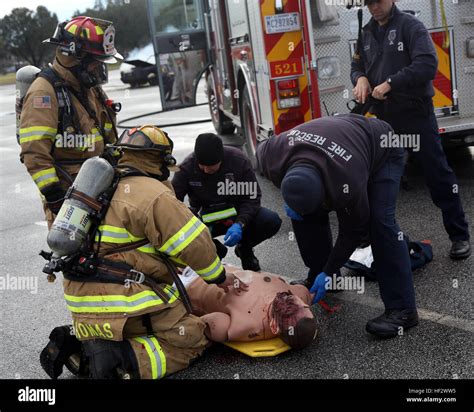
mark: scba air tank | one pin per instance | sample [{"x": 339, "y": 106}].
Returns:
[
  {"x": 73, "y": 222},
  {"x": 24, "y": 77}
]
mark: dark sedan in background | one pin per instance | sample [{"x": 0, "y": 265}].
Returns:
[{"x": 139, "y": 73}]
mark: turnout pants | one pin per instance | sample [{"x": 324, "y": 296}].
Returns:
[
  {"x": 177, "y": 338},
  {"x": 49, "y": 216},
  {"x": 153, "y": 346}
]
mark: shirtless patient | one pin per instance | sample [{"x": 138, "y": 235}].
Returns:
[{"x": 270, "y": 307}]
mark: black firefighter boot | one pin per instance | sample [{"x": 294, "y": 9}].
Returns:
[
  {"x": 111, "y": 359},
  {"x": 63, "y": 349},
  {"x": 248, "y": 258},
  {"x": 309, "y": 281},
  {"x": 392, "y": 323},
  {"x": 460, "y": 249}
]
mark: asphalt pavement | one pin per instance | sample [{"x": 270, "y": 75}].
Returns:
[{"x": 440, "y": 347}]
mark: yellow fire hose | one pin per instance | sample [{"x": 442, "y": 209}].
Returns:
[{"x": 444, "y": 21}]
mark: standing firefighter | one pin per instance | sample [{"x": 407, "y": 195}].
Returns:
[
  {"x": 66, "y": 117},
  {"x": 396, "y": 63},
  {"x": 129, "y": 313}
]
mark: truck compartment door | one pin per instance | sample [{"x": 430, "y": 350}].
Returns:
[
  {"x": 179, "y": 40},
  {"x": 445, "y": 98}
]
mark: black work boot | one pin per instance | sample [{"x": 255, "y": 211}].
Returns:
[
  {"x": 63, "y": 349},
  {"x": 248, "y": 259},
  {"x": 111, "y": 359},
  {"x": 307, "y": 283},
  {"x": 460, "y": 249},
  {"x": 392, "y": 323}
]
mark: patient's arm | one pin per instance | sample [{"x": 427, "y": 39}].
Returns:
[{"x": 218, "y": 325}]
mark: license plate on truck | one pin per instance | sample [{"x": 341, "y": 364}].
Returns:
[{"x": 282, "y": 23}]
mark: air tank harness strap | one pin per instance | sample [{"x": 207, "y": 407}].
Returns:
[
  {"x": 179, "y": 285},
  {"x": 63, "y": 173},
  {"x": 67, "y": 119},
  {"x": 82, "y": 97},
  {"x": 73, "y": 193},
  {"x": 100, "y": 270}
]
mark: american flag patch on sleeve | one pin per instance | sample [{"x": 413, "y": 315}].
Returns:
[{"x": 42, "y": 102}]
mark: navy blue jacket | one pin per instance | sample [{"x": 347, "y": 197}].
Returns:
[
  {"x": 202, "y": 189},
  {"x": 407, "y": 55},
  {"x": 347, "y": 152}
]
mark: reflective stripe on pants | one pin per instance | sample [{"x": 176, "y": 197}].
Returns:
[{"x": 156, "y": 355}]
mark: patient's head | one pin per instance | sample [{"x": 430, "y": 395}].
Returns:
[{"x": 292, "y": 320}]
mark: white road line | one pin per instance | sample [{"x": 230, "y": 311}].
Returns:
[
  {"x": 425, "y": 314},
  {"x": 41, "y": 223}
]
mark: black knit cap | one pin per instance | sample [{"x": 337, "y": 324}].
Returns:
[
  {"x": 303, "y": 189},
  {"x": 208, "y": 149}
]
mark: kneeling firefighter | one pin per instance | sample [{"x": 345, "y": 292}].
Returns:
[
  {"x": 63, "y": 115},
  {"x": 131, "y": 316}
]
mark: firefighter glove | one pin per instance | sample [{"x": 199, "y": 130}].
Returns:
[{"x": 54, "y": 196}]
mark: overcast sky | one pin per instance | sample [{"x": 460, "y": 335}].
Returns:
[{"x": 63, "y": 8}]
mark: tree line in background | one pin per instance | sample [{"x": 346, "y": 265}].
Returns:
[{"x": 23, "y": 30}]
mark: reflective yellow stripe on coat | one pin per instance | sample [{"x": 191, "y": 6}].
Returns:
[
  {"x": 96, "y": 136},
  {"x": 29, "y": 134},
  {"x": 173, "y": 246},
  {"x": 113, "y": 303},
  {"x": 183, "y": 237},
  {"x": 120, "y": 235},
  {"x": 212, "y": 271},
  {"x": 91, "y": 140},
  {"x": 45, "y": 177}
]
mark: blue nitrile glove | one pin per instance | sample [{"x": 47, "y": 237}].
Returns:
[
  {"x": 233, "y": 235},
  {"x": 319, "y": 287},
  {"x": 292, "y": 214}
]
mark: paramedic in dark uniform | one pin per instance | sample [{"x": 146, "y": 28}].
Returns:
[
  {"x": 397, "y": 56},
  {"x": 338, "y": 164},
  {"x": 223, "y": 191}
]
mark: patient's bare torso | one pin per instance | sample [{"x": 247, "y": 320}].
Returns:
[{"x": 248, "y": 310}]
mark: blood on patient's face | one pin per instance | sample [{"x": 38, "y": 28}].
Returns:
[
  {"x": 287, "y": 309},
  {"x": 292, "y": 320}
]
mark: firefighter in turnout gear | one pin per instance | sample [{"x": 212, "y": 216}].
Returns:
[
  {"x": 141, "y": 326},
  {"x": 66, "y": 117}
]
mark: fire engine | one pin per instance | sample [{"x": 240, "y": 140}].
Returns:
[{"x": 270, "y": 65}]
